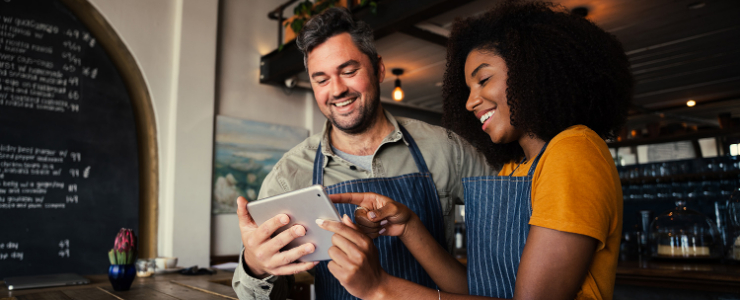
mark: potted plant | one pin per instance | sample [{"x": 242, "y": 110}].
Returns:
[
  {"x": 309, "y": 8},
  {"x": 122, "y": 270}
]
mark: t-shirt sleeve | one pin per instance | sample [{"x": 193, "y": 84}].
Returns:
[{"x": 574, "y": 189}]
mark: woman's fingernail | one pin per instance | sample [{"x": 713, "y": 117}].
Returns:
[
  {"x": 309, "y": 248},
  {"x": 371, "y": 214},
  {"x": 284, "y": 219},
  {"x": 383, "y": 222},
  {"x": 381, "y": 231},
  {"x": 315, "y": 263},
  {"x": 319, "y": 222}
]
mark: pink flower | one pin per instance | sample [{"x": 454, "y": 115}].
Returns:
[
  {"x": 125, "y": 240},
  {"x": 124, "y": 248}
]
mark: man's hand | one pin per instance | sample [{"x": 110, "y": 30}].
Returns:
[
  {"x": 378, "y": 214},
  {"x": 355, "y": 261},
  {"x": 262, "y": 253}
]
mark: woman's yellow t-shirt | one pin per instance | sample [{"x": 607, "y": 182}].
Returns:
[{"x": 576, "y": 189}]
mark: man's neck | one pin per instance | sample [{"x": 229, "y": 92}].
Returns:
[{"x": 364, "y": 143}]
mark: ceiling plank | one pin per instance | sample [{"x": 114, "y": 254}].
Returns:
[{"x": 425, "y": 35}]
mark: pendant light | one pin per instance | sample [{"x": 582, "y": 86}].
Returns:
[{"x": 397, "y": 91}]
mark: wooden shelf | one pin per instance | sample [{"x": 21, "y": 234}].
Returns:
[
  {"x": 684, "y": 177},
  {"x": 676, "y": 138}
]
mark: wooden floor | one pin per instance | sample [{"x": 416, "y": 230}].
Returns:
[{"x": 165, "y": 286}]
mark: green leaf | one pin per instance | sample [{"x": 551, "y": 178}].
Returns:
[
  {"x": 280, "y": 48},
  {"x": 363, "y": 3},
  {"x": 297, "y": 25},
  {"x": 307, "y": 5},
  {"x": 112, "y": 257}
]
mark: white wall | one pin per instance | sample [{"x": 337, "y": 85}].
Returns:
[
  {"x": 246, "y": 35},
  {"x": 174, "y": 44}
]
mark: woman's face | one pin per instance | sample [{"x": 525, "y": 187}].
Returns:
[{"x": 485, "y": 75}]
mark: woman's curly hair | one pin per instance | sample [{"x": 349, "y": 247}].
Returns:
[{"x": 563, "y": 70}]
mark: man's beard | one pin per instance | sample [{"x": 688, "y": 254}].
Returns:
[{"x": 366, "y": 118}]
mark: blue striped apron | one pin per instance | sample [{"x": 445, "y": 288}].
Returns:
[
  {"x": 497, "y": 212},
  {"x": 417, "y": 191}
]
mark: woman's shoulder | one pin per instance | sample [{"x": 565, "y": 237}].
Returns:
[
  {"x": 577, "y": 140},
  {"x": 577, "y": 147},
  {"x": 575, "y": 133}
]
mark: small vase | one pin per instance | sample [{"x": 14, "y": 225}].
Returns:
[{"x": 121, "y": 276}]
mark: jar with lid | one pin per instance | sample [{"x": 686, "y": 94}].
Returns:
[
  {"x": 733, "y": 225},
  {"x": 683, "y": 233}
]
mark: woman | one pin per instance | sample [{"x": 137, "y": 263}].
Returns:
[{"x": 537, "y": 90}]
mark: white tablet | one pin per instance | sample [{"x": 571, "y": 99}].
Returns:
[{"x": 303, "y": 206}]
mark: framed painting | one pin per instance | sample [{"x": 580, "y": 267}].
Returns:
[{"x": 245, "y": 153}]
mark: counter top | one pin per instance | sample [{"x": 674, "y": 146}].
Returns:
[
  {"x": 707, "y": 276},
  {"x": 161, "y": 286}
]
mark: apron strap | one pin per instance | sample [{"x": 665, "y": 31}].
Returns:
[
  {"x": 415, "y": 152},
  {"x": 318, "y": 168},
  {"x": 318, "y": 162},
  {"x": 534, "y": 164},
  {"x": 537, "y": 160}
]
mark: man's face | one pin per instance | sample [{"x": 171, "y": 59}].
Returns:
[{"x": 344, "y": 83}]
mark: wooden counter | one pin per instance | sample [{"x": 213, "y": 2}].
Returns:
[
  {"x": 163, "y": 286},
  {"x": 714, "y": 277},
  {"x": 657, "y": 274}
]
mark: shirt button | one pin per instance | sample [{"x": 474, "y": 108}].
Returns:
[
  {"x": 352, "y": 168},
  {"x": 264, "y": 287}
]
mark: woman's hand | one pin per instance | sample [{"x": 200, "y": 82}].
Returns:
[
  {"x": 378, "y": 214},
  {"x": 383, "y": 216},
  {"x": 355, "y": 261}
]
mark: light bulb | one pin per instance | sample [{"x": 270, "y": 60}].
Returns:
[
  {"x": 690, "y": 103},
  {"x": 397, "y": 94}
]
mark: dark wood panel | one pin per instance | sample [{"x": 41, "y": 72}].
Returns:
[
  {"x": 89, "y": 294},
  {"x": 182, "y": 292},
  {"x": 55, "y": 295},
  {"x": 140, "y": 293},
  {"x": 223, "y": 288}
]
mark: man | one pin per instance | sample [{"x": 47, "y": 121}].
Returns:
[{"x": 361, "y": 149}]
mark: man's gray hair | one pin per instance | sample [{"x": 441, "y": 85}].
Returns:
[{"x": 334, "y": 21}]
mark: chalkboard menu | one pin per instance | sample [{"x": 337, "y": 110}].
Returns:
[{"x": 69, "y": 177}]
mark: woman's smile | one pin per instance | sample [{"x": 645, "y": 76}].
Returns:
[{"x": 485, "y": 118}]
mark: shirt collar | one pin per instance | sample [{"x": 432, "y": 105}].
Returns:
[{"x": 393, "y": 137}]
